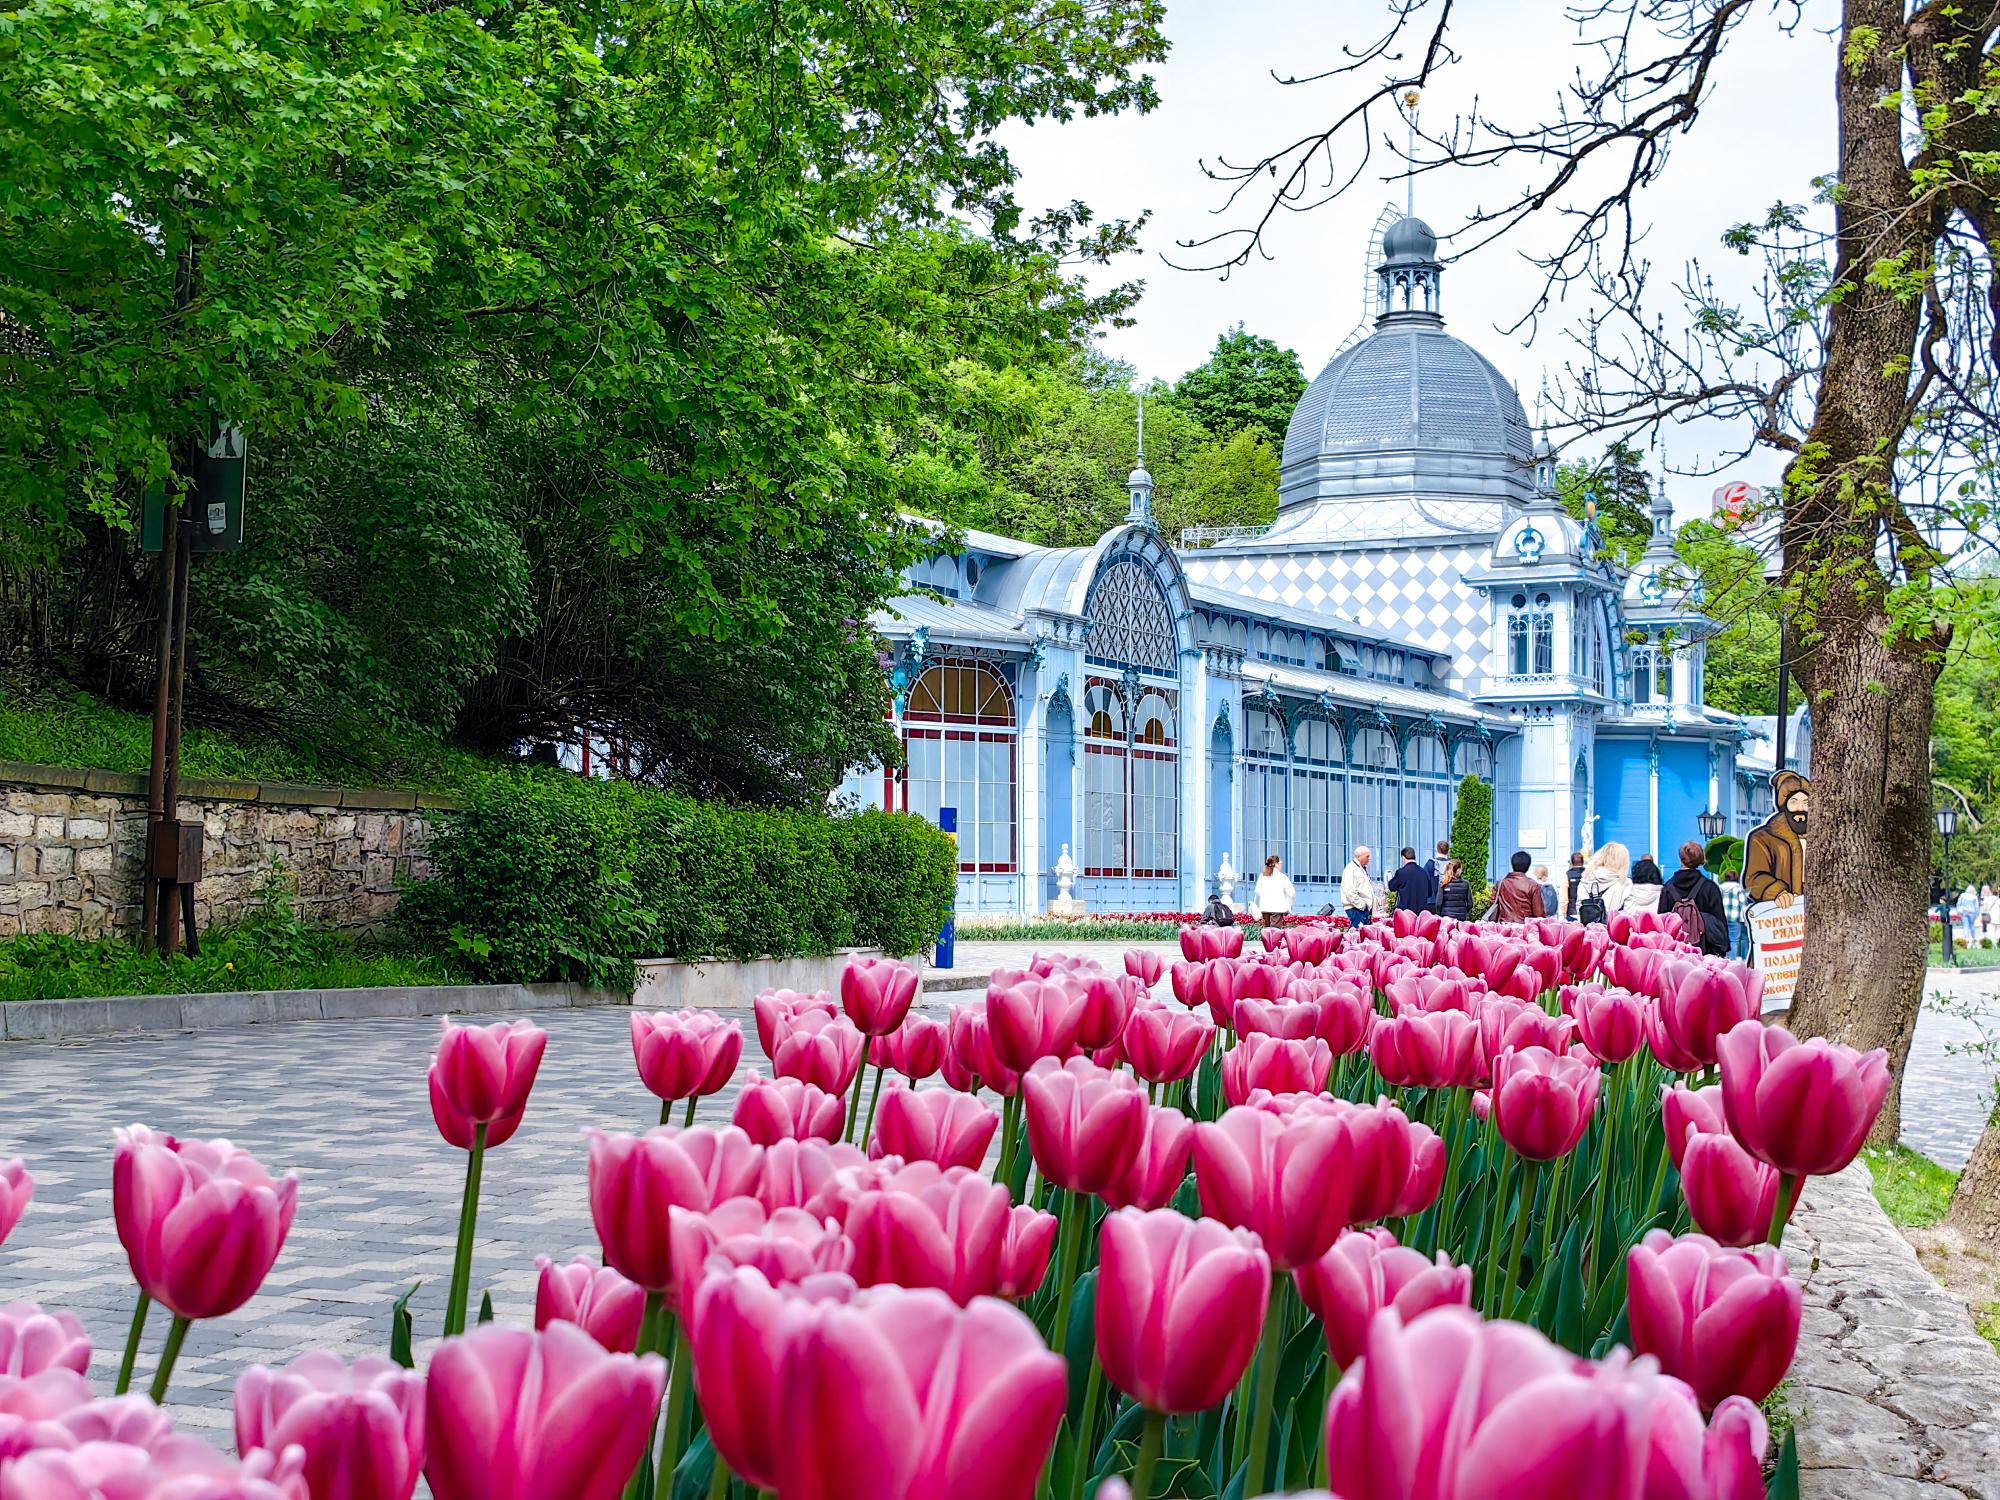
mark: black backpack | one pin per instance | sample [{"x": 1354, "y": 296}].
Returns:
[{"x": 1591, "y": 909}]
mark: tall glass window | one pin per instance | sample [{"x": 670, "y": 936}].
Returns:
[
  {"x": 1266, "y": 807},
  {"x": 959, "y": 740},
  {"x": 1375, "y": 781},
  {"x": 1517, "y": 636},
  {"x": 1544, "y": 623},
  {"x": 1131, "y": 752},
  {"x": 1319, "y": 802},
  {"x": 1426, "y": 793},
  {"x": 1106, "y": 822}
]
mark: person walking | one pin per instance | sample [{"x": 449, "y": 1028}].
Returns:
[
  {"x": 1275, "y": 893},
  {"x": 1357, "y": 888},
  {"x": 1518, "y": 896},
  {"x": 1549, "y": 905},
  {"x": 1575, "y": 880},
  {"x": 1605, "y": 885},
  {"x": 1434, "y": 867},
  {"x": 1454, "y": 895},
  {"x": 1989, "y": 914},
  {"x": 1968, "y": 917},
  {"x": 1736, "y": 909},
  {"x": 1647, "y": 883},
  {"x": 1411, "y": 885},
  {"x": 1698, "y": 900}
]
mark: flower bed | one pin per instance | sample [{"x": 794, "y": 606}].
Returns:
[{"x": 1376, "y": 1212}]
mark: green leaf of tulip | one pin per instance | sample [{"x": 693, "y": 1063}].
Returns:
[{"x": 402, "y": 1329}]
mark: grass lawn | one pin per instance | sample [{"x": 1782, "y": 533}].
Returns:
[{"x": 48, "y": 966}]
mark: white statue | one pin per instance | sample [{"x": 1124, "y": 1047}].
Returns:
[
  {"x": 1225, "y": 882},
  {"x": 1066, "y": 903}
]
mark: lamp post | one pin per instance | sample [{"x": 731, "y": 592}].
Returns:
[
  {"x": 1710, "y": 823},
  {"x": 1947, "y": 825}
]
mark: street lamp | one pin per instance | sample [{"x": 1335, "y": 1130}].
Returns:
[
  {"x": 1947, "y": 825},
  {"x": 1711, "y": 824}
]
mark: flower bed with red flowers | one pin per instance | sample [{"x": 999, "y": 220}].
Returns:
[{"x": 1421, "y": 1210}]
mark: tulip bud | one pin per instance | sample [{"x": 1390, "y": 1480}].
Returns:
[{"x": 1725, "y": 1321}]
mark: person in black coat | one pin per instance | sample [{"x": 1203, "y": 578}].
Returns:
[
  {"x": 1411, "y": 885},
  {"x": 1454, "y": 894},
  {"x": 1691, "y": 884}
]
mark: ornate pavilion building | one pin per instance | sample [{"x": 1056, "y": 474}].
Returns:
[{"x": 1421, "y": 610}]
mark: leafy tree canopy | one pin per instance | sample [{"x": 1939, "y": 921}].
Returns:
[
  {"x": 1247, "y": 382},
  {"x": 1618, "y": 483}
]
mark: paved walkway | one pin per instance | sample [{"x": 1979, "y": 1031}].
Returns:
[{"x": 1896, "y": 1396}]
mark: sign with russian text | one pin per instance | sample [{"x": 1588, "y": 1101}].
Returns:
[{"x": 1777, "y": 939}]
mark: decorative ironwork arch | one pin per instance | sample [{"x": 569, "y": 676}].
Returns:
[{"x": 1132, "y": 622}]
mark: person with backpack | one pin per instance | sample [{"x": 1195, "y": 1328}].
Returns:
[
  {"x": 1647, "y": 883},
  {"x": 1454, "y": 893},
  {"x": 1697, "y": 901},
  {"x": 1411, "y": 885},
  {"x": 1605, "y": 885}
]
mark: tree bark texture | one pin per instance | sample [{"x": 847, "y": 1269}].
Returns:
[
  {"x": 1868, "y": 683},
  {"x": 1975, "y": 1204}
]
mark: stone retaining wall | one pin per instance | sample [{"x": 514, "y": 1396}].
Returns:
[{"x": 72, "y": 845}]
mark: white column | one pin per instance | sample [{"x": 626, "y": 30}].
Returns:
[
  {"x": 1030, "y": 756},
  {"x": 1195, "y": 714}
]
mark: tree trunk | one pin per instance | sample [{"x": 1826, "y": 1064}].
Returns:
[
  {"x": 1869, "y": 677},
  {"x": 1975, "y": 1204}
]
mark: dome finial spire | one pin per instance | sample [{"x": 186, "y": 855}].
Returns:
[{"x": 1139, "y": 484}]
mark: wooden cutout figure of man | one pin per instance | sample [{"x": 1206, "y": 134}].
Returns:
[{"x": 1774, "y": 856}]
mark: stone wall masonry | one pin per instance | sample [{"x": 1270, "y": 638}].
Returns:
[{"x": 72, "y": 846}]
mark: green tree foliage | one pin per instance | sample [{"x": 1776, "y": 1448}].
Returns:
[
  {"x": 1967, "y": 751},
  {"x": 1618, "y": 482},
  {"x": 1233, "y": 483},
  {"x": 1248, "y": 382},
  {"x": 1472, "y": 833},
  {"x": 673, "y": 279},
  {"x": 1742, "y": 673}
]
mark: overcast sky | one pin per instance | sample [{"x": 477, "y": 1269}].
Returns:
[{"x": 1765, "y": 133}]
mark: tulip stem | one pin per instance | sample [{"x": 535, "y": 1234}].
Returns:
[
  {"x": 677, "y": 1397},
  {"x": 1152, "y": 1437},
  {"x": 1600, "y": 1260},
  {"x": 1781, "y": 1211},
  {"x": 1547, "y": 1245},
  {"x": 718, "y": 1480},
  {"x": 874, "y": 1098},
  {"x": 1267, "y": 1385},
  {"x": 854, "y": 1104},
  {"x": 177, "y": 1333},
  {"x": 1530, "y": 1173},
  {"x": 1003, "y": 1169},
  {"x": 687, "y": 1120},
  {"x": 666, "y": 1111},
  {"x": 1087, "y": 1429},
  {"x": 468, "y": 1215},
  {"x": 652, "y": 1334},
  {"x": 1454, "y": 1127},
  {"x": 132, "y": 1343},
  {"x": 1072, "y": 1208},
  {"x": 1496, "y": 1227}
]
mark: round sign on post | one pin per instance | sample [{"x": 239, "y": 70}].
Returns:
[{"x": 1732, "y": 501}]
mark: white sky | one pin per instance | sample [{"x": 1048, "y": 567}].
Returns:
[{"x": 1764, "y": 134}]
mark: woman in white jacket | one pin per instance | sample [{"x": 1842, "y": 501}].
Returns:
[
  {"x": 1275, "y": 893},
  {"x": 1607, "y": 878}
]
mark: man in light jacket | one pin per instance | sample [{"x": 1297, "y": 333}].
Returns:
[{"x": 1357, "y": 888}]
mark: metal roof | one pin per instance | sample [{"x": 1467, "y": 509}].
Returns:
[
  {"x": 955, "y": 619},
  {"x": 1364, "y": 692},
  {"x": 1208, "y": 596}
]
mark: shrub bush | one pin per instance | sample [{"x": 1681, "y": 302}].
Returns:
[
  {"x": 544, "y": 875},
  {"x": 1472, "y": 838}
]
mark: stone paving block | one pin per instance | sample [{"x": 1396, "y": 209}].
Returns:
[
  {"x": 298, "y": 1005},
  {"x": 351, "y": 1004},
  {"x": 244, "y": 1008},
  {"x": 55, "y": 1020}
]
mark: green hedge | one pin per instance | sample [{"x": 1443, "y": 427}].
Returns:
[{"x": 546, "y": 875}]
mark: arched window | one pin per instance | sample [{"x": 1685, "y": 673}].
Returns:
[
  {"x": 1155, "y": 842},
  {"x": 1319, "y": 802},
  {"x": 1472, "y": 757},
  {"x": 1106, "y": 815},
  {"x": 1130, "y": 621},
  {"x": 959, "y": 738},
  {"x": 1375, "y": 781},
  {"x": 1544, "y": 622},
  {"x": 1652, "y": 672},
  {"x": 1426, "y": 792},
  {"x": 1517, "y": 636},
  {"x": 1265, "y": 804}
]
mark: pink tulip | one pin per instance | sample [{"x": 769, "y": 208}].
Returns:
[
  {"x": 172, "y": 1468},
  {"x": 900, "y": 1395},
  {"x": 201, "y": 1221},
  {"x": 1366, "y": 1271},
  {"x": 1189, "y": 984},
  {"x": 769, "y": 1110},
  {"x": 1288, "y": 1179},
  {"x": 1701, "y": 999},
  {"x": 1024, "y": 1254},
  {"x": 877, "y": 993},
  {"x": 794, "y": 1172},
  {"x": 1282, "y": 1067},
  {"x": 1426, "y": 1179},
  {"x": 740, "y": 1328},
  {"x": 1165, "y": 1045},
  {"x": 1505, "y": 1023},
  {"x": 916, "y": 1049},
  {"x": 1084, "y": 1122},
  {"x": 931, "y": 1229},
  {"x": 1180, "y": 1307},
  {"x": 133, "y": 1420},
  {"x": 1803, "y": 1107},
  {"x": 1435, "y": 1049},
  {"x": 361, "y": 1426},
  {"x": 1283, "y": 1019},
  {"x": 1107, "y": 1005},
  {"x": 1542, "y": 1101},
  {"x": 596, "y": 1298},
  {"x": 939, "y": 1125},
  {"x": 1145, "y": 966},
  {"x": 481, "y": 1075},
  {"x": 819, "y": 1049},
  {"x": 685, "y": 1054},
  {"x": 1686, "y": 1462},
  {"x": 1199, "y": 943},
  {"x": 1159, "y": 1164},
  {"x": 32, "y": 1341},
  {"x": 1666, "y": 1049},
  {"x": 636, "y": 1179},
  {"x": 1385, "y": 1159},
  {"x": 787, "y": 1245},
  {"x": 514, "y": 1415},
  {"x": 1345, "y": 1014},
  {"x": 775, "y": 1010},
  {"x": 1683, "y": 1109},
  {"x": 970, "y": 1059},
  {"x": 1030, "y": 1019},
  {"x": 1725, "y": 1321},
  {"x": 1446, "y": 990},
  {"x": 1451, "y": 1408},
  {"x": 1612, "y": 1022},
  {"x": 1731, "y": 1196},
  {"x": 17, "y": 1189}
]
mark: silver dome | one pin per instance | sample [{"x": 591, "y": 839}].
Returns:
[{"x": 1409, "y": 241}]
